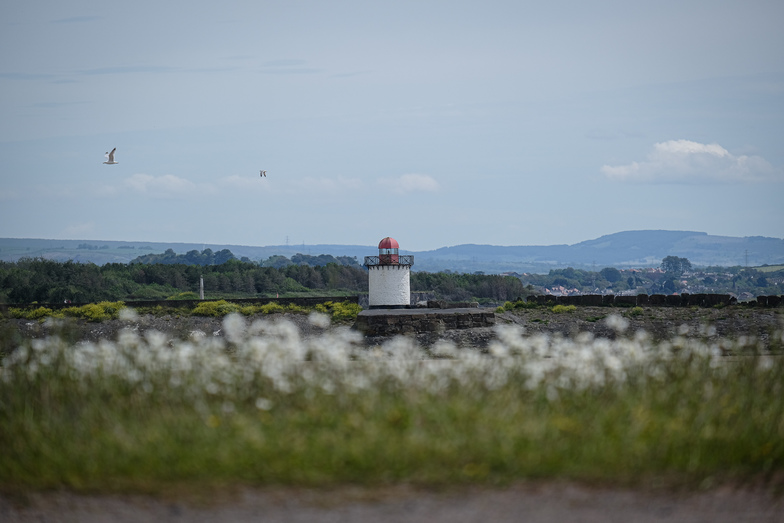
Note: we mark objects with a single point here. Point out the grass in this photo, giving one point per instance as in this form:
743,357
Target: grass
770,268
265,407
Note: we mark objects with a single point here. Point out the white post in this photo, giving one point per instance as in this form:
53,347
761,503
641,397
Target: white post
201,287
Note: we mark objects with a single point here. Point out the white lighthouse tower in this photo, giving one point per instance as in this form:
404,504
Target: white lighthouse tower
389,277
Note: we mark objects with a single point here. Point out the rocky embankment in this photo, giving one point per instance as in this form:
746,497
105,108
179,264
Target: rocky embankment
762,324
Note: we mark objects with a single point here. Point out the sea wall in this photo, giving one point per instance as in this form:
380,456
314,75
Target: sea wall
657,300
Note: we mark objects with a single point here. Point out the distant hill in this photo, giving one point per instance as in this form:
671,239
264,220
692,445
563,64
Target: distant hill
621,250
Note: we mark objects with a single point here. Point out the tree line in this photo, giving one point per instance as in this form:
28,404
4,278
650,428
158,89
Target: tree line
169,275
46,281
41,280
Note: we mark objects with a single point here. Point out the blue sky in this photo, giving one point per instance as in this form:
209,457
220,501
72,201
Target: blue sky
435,122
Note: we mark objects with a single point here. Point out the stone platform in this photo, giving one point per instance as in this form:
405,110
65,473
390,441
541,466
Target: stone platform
389,322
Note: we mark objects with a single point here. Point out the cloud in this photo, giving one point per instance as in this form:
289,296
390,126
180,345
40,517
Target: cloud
286,62
55,105
684,161
329,185
410,183
241,182
287,67
132,69
8,195
77,19
350,74
166,186
26,76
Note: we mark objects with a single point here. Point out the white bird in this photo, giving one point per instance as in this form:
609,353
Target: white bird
111,157
263,173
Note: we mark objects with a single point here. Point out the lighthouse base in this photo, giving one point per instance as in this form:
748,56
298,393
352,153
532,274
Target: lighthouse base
390,307
390,322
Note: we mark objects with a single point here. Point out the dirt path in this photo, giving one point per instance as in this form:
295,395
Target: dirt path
550,502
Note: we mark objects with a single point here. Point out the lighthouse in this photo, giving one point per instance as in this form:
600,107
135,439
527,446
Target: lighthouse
389,277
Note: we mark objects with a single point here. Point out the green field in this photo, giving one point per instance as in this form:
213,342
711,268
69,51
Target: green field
770,268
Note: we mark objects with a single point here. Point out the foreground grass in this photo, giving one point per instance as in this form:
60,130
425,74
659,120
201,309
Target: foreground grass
267,407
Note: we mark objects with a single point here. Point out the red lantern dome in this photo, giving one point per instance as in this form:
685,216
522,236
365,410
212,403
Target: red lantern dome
388,251
388,243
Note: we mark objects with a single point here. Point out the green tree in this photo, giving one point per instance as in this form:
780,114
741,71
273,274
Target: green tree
675,265
611,274
277,262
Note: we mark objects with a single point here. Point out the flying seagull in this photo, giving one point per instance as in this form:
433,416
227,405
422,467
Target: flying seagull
263,173
111,157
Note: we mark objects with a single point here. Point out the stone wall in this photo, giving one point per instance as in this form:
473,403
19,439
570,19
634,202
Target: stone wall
660,300
390,322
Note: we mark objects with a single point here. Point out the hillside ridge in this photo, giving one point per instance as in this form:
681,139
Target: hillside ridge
626,249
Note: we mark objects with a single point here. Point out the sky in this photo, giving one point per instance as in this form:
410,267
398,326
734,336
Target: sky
435,122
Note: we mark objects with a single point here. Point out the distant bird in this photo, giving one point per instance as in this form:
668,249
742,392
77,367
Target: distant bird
263,173
111,157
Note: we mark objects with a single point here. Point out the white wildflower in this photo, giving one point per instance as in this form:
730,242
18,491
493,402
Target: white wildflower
263,404
444,349
617,323
157,340
128,314
498,349
234,326
318,319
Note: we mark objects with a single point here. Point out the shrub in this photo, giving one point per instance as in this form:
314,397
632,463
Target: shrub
519,304
345,311
342,311
105,310
215,308
272,307
249,310
636,311
34,314
324,307
563,308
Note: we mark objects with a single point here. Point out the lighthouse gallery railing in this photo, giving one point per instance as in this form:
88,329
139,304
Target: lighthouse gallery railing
387,259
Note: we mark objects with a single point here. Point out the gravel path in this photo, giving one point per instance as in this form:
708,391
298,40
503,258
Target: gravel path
548,502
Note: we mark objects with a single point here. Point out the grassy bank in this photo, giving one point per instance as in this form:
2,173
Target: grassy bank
264,406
